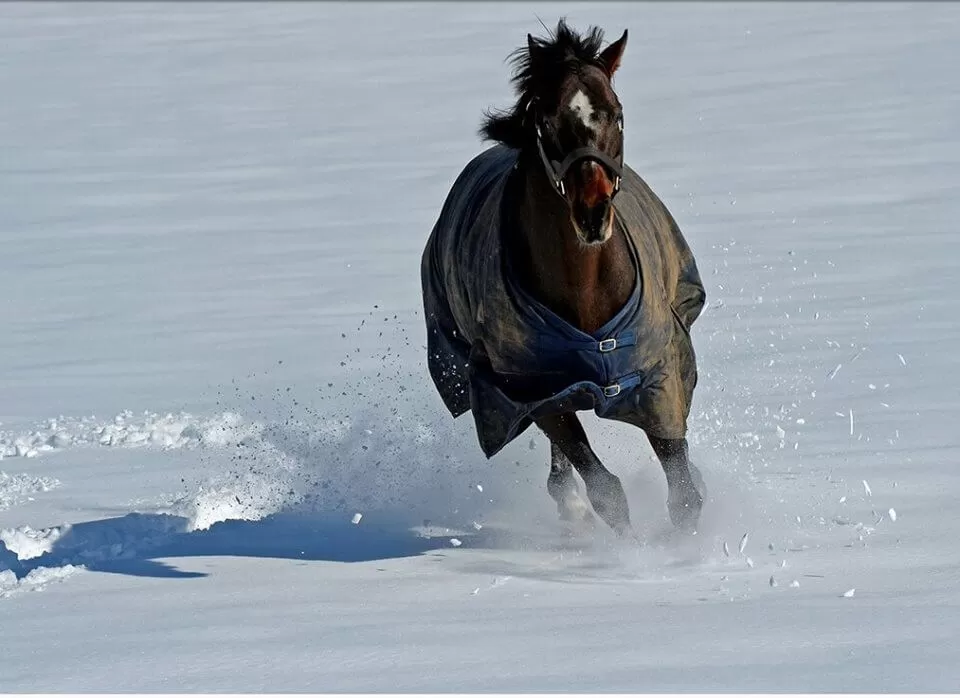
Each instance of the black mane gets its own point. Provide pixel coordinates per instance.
(538, 70)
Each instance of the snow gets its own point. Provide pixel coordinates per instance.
(19, 487)
(212, 351)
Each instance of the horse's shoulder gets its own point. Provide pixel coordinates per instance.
(650, 223)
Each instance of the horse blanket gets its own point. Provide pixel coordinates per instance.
(495, 350)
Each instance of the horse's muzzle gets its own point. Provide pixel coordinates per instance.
(593, 222)
(591, 202)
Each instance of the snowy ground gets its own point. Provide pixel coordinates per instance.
(211, 218)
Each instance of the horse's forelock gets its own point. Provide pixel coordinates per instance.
(539, 69)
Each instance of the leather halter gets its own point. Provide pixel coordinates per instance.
(557, 170)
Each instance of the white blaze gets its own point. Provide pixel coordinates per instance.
(581, 106)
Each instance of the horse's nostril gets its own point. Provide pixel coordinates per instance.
(594, 187)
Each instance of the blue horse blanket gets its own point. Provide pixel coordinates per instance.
(495, 350)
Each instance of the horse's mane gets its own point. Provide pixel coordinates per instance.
(538, 70)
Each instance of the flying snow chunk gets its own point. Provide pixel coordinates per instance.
(848, 594)
(726, 550)
(866, 488)
(356, 518)
(743, 543)
(773, 582)
(749, 563)
(456, 542)
(794, 584)
(893, 514)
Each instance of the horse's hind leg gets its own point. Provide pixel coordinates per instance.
(684, 501)
(562, 486)
(604, 490)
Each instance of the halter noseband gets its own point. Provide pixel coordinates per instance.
(557, 170)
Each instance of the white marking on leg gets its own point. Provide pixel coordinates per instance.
(581, 106)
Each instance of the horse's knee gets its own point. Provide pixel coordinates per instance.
(669, 451)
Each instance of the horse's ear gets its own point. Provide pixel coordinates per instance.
(611, 55)
(531, 45)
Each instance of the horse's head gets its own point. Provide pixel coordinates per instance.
(569, 120)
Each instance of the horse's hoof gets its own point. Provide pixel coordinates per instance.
(684, 509)
(626, 532)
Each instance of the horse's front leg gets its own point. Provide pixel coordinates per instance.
(562, 486)
(684, 501)
(604, 490)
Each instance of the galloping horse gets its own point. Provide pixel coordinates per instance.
(555, 281)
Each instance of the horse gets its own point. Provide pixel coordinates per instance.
(556, 281)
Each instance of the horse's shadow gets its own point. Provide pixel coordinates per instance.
(143, 544)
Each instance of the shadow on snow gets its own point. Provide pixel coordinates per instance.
(137, 544)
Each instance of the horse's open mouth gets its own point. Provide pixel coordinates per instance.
(594, 226)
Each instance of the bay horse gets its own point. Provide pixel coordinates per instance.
(556, 281)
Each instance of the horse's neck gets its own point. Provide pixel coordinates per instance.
(585, 285)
